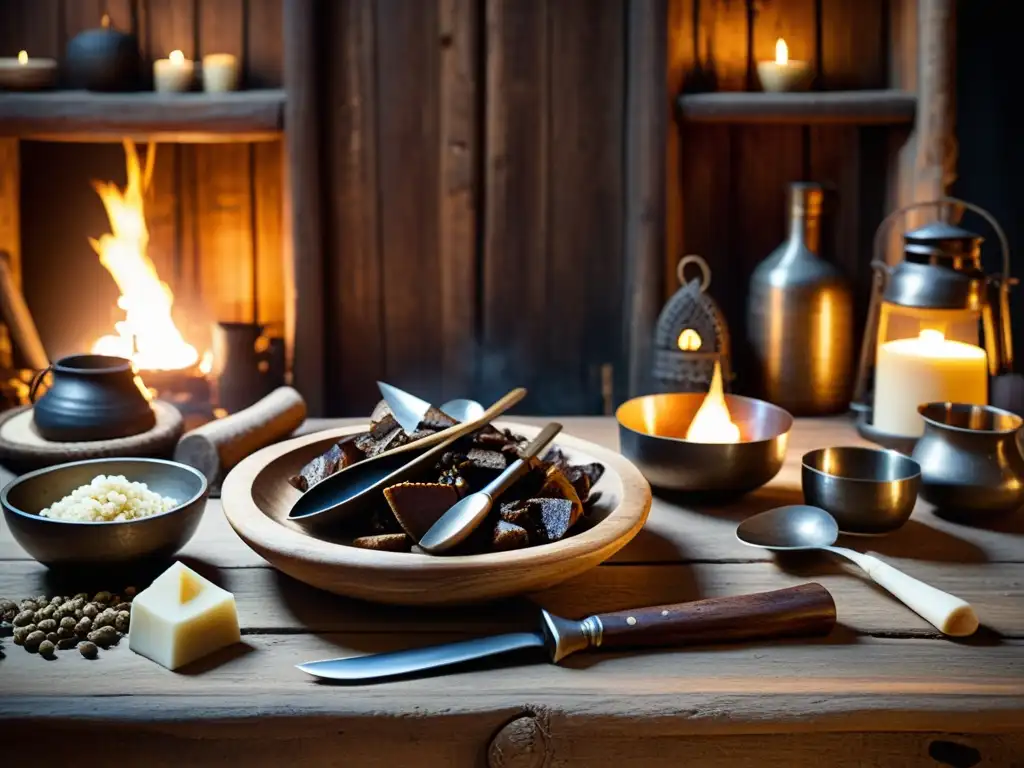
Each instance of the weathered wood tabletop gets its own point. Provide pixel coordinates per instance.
(884, 689)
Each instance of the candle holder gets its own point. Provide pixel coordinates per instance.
(784, 75)
(104, 59)
(27, 74)
(921, 343)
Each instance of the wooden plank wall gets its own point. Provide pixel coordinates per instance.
(474, 204)
(214, 211)
(727, 183)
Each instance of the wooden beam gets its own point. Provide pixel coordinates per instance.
(646, 135)
(903, 149)
(80, 115)
(884, 107)
(935, 161)
(306, 270)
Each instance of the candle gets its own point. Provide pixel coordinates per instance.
(220, 72)
(25, 74)
(927, 369)
(783, 74)
(173, 74)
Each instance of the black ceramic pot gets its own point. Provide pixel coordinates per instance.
(104, 59)
(93, 397)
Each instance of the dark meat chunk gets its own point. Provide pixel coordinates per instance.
(557, 486)
(508, 536)
(436, 420)
(494, 439)
(556, 456)
(324, 465)
(545, 519)
(417, 506)
(384, 427)
(383, 520)
(580, 482)
(380, 410)
(593, 471)
(372, 446)
(386, 542)
(481, 458)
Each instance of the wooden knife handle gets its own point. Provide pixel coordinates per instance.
(805, 610)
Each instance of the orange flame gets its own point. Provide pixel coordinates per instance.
(713, 424)
(147, 336)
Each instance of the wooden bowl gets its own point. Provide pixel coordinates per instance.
(256, 497)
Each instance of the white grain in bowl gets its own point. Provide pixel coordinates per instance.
(107, 499)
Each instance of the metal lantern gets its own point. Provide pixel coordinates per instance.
(691, 335)
(938, 326)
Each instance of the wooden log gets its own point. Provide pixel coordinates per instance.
(935, 160)
(216, 447)
(19, 320)
(306, 271)
(646, 136)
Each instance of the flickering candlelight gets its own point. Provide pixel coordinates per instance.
(783, 73)
(22, 73)
(173, 74)
(713, 423)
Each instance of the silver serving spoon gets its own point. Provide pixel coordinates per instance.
(802, 527)
(463, 409)
(457, 523)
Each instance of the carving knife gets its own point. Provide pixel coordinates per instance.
(806, 610)
(407, 409)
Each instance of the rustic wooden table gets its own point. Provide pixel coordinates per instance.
(883, 690)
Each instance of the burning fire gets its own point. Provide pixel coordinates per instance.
(781, 52)
(147, 336)
(713, 424)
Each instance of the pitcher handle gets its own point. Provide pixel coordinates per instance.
(37, 381)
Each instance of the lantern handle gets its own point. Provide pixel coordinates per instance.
(705, 270)
(887, 222)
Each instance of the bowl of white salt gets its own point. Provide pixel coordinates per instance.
(105, 512)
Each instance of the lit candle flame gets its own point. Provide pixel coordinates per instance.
(105, 21)
(713, 424)
(781, 52)
(176, 57)
(23, 57)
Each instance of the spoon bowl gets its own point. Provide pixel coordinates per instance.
(463, 409)
(794, 527)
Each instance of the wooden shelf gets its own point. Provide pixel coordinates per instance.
(185, 117)
(888, 107)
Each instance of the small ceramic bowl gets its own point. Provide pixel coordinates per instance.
(868, 491)
(63, 543)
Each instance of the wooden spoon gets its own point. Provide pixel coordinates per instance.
(355, 489)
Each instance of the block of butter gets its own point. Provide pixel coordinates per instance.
(182, 617)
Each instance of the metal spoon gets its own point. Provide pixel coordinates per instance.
(464, 516)
(463, 409)
(802, 527)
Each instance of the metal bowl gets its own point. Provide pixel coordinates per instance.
(868, 491)
(59, 542)
(670, 461)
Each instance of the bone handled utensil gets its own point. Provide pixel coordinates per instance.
(803, 527)
(354, 489)
(804, 611)
(466, 514)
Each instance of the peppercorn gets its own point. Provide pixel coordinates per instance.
(57, 600)
(47, 647)
(45, 613)
(64, 633)
(88, 650)
(20, 633)
(83, 627)
(90, 610)
(47, 625)
(67, 643)
(104, 636)
(67, 623)
(23, 619)
(114, 600)
(105, 619)
(83, 596)
(123, 607)
(121, 621)
(53, 637)
(33, 640)
(129, 592)
(102, 597)
(28, 605)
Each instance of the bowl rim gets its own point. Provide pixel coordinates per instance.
(260, 531)
(791, 420)
(863, 449)
(9, 507)
(951, 405)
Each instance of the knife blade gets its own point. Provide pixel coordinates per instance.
(805, 610)
(407, 409)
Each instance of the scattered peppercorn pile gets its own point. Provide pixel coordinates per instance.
(45, 625)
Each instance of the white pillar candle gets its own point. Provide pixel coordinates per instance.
(783, 74)
(173, 74)
(25, 74)
(220, 72)
(928, 369)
